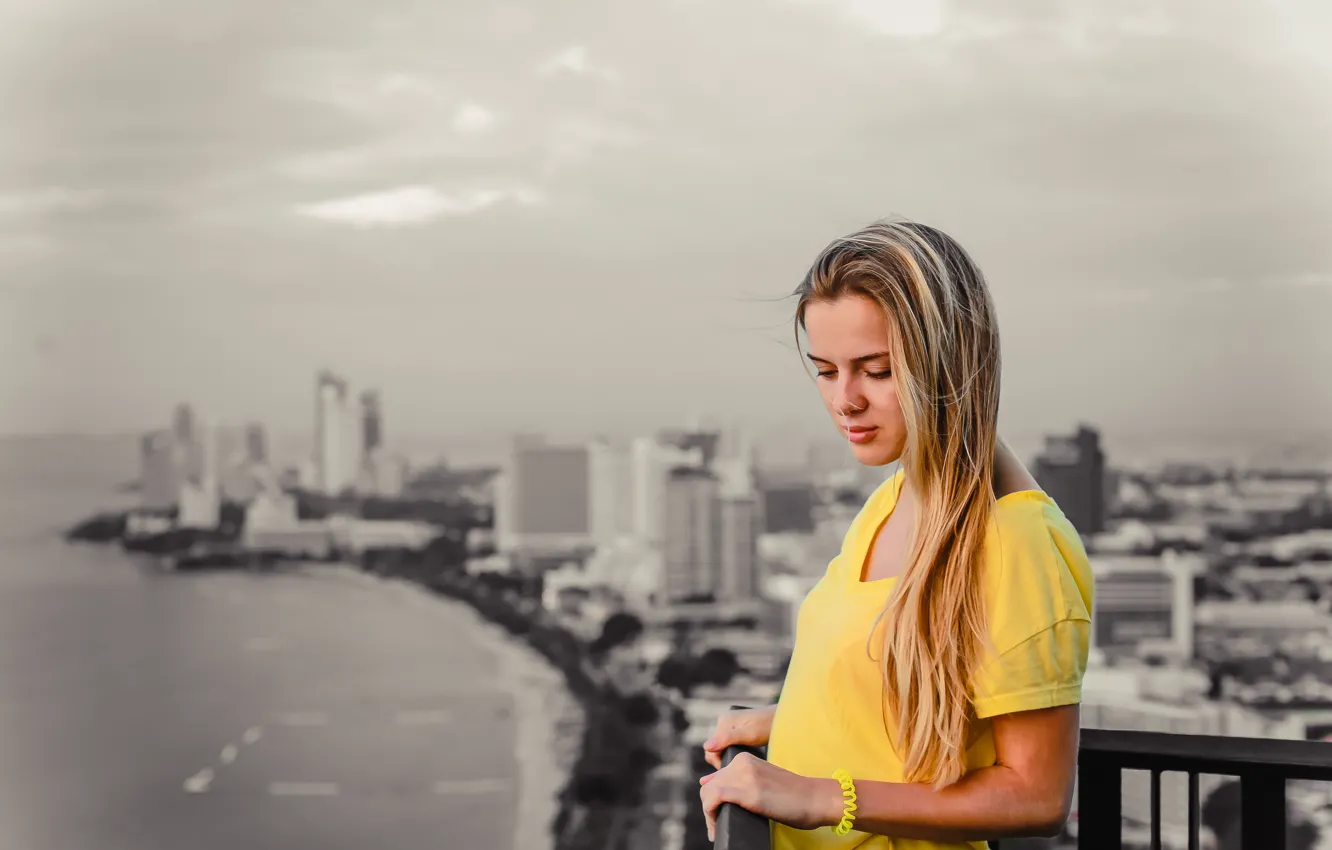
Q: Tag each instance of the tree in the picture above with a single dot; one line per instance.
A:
(641, 710)
(716, 667)
(1220, 813)
(619, 629)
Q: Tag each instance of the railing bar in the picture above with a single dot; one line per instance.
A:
(1194, 813)
(1156, 810)
(1263, 810)
(1100, 803)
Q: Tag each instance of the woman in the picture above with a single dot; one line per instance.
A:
(938, 663)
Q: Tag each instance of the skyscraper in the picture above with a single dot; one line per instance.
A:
(188, 446)
(651, 463)
(256, 444)
(738, 526)
(372, 423)
(544, 497)
(159, 473)
(335, 451)
(691, 544)
(1072, 470)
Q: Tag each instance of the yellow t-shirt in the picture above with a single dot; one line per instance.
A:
(1038, 585)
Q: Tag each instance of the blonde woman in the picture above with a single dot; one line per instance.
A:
(938, 663)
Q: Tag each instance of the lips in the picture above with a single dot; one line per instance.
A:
(861, 433)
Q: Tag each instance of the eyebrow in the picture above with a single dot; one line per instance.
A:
(864, 358)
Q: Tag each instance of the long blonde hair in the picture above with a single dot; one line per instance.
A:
(945, 353)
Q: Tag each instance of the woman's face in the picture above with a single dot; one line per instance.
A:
(849, 342)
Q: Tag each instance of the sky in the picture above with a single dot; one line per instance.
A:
(586, 216)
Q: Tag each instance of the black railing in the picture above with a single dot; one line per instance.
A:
(1263, 765)
(737, 828)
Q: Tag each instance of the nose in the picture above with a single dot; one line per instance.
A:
(848, 398)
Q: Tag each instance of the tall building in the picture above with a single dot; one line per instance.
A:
(739, 524)
(1072, 470)
(256, 444)
(186, 440)
(183, 424)
(372, 423)
(651, 463)
(608, 492)
(704, 440)
(544, 498)
(201, 498)
(159, 474)
(336, 452)
(691, 545)
(788, 506)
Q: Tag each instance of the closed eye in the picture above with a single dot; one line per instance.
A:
(887, 373)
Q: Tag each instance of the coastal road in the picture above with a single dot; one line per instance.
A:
(318, 709)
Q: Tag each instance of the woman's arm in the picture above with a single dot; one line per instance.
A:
(1010, 473)
(1028, 792)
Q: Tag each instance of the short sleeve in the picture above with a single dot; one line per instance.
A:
(1043, 671)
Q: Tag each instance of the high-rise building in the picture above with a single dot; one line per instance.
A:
(335, 454)
(739, 526)
(159, 474)
(609, 481)
(1072, 471)
(788, 506)
(701, 439)
(651, 463)
(691, 545)
(183, 424)
(544, 498)
(372, 423)
(201, 498)
(256, 443)
(187, 446)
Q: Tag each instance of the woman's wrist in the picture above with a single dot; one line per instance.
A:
(827, 805)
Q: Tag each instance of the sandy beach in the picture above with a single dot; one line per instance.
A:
(549, 719)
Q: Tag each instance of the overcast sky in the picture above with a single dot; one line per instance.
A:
(578, 215)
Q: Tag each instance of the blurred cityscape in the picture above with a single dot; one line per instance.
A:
(661, 575)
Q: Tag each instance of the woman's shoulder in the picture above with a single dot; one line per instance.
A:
(1037, 570)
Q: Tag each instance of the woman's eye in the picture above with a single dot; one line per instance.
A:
(887, 373)
(827, 374)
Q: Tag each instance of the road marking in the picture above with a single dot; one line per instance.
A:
(199, 782)
(263, 644)
(303, 789)
(471, 786)
(302, 718)
(254, 733)
(422, 718)
(229, 753)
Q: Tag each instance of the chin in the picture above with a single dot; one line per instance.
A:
(872, 455)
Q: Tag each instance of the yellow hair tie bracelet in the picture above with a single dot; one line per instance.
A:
(849, 793)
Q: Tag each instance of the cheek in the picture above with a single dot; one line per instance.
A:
(888, 405)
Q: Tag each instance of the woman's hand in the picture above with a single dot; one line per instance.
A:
(777, 794)
(745, 727)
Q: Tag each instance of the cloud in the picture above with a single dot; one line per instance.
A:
(414, 205)
(47, 201)
(1304, 280)
(473, 118)
(574, 60)
(903, 18)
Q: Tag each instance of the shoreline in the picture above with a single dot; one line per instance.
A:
(548, 718)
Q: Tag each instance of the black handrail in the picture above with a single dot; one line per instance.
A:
(737, 828)
(1262, 764)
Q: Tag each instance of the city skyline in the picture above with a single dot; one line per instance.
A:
(511, 223)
